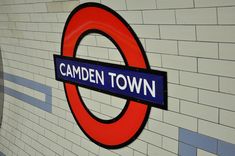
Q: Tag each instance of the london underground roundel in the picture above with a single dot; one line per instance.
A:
(142, 87)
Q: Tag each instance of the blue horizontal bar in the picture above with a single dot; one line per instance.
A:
(189, 141)
(44, 105)
(198, 140)
(141, 85)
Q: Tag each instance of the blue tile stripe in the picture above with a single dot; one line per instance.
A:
(225, 149)
(189, 141)
(1, 154)
(198, 140)
(187, 150)
(44, 105)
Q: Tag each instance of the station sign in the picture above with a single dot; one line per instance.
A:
(142, 87)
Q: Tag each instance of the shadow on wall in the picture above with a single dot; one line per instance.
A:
(1, 88)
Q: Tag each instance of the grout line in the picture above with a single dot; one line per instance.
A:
(217, 16)
(175, 17)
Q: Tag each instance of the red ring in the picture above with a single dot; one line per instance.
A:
(94, 16)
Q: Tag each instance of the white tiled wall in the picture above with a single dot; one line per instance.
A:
(192, 40)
